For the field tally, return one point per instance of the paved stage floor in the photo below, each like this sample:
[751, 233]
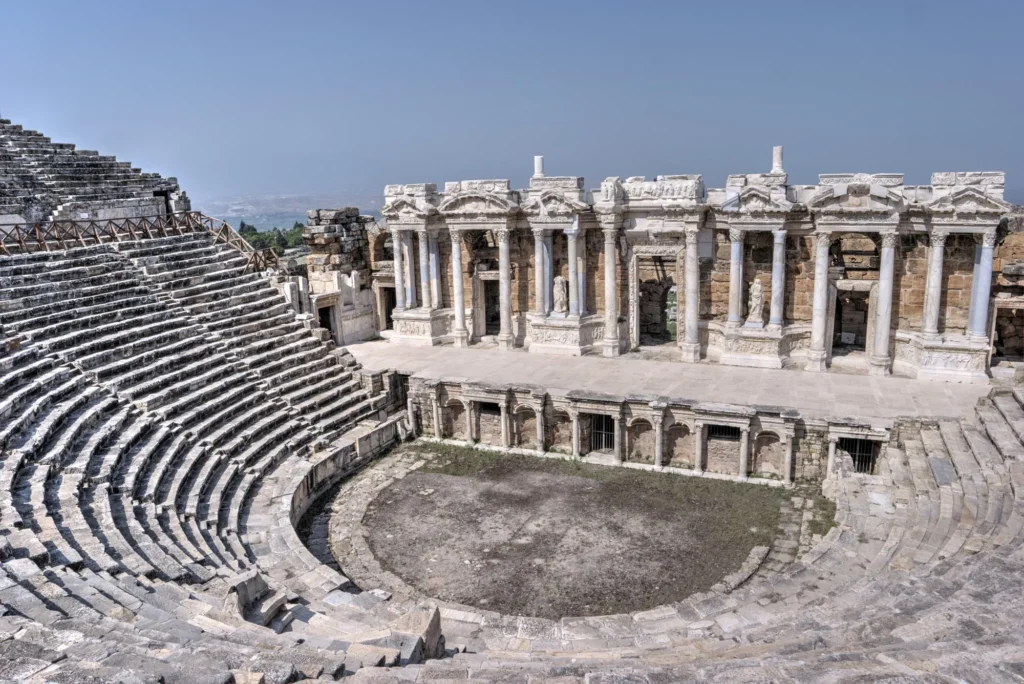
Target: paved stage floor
[815, 395]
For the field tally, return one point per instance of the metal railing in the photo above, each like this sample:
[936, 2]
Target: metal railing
[23, 238]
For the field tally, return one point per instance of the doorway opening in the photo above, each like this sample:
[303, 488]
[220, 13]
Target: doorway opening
[657, 301]
[850, 329]
[492, 307]
[864, 453]
[326, 319]
[390, 302]
[602, 433]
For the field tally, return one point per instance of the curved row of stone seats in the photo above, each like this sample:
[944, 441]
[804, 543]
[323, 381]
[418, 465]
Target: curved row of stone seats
[945, 502]
[130, 454]
[58, 175]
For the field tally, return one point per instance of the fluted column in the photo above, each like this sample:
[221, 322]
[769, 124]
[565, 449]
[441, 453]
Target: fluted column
[735, 276]
[617, 441]
[549, 273]
[421, 241]
[611, 303]
[503, 407]
[505, 338]
[436, 408]
[581, 270]
[658, 421]
[830, 464]
[434, 257]
[690, 346]
[469, 422]
[933, 283]
[978, 326]
[816, 354]
[573, 284]
[538, 273]
[410, 283]
[460, 335]
[778, 279]
[879, 361]
[744, 452]
[575, 418]
[396, 247]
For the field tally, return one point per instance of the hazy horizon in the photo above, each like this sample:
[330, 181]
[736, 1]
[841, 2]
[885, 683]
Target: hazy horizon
[334, 101]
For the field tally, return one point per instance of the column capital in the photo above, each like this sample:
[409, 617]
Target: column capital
[541, 231]
[779, 235]
[735, 235]
[457, 237]
[610, 232]
[745, 429]
[823, 237]
[691, 235]
[937, 238]
[889, 238]
[988, 239]
[502, 235]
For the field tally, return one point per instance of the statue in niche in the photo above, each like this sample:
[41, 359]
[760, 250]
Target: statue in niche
[561, 305]
[755, 305]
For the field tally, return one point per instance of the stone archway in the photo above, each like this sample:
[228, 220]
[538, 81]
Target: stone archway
[767, 459]
[678, 447]
[524, 427]
[453, 420]
[640, 441]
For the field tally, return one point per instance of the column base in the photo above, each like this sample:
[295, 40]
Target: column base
[815, 361]
[878, 365]
[610, 348]
[460, 338]
[506, 342]
[690, 352]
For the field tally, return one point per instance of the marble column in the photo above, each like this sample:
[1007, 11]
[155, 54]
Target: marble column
[410, 283]
[581, 270]
[503, 407]
[879, 361]
[460, 335]
[424, 265]
[469, 422]
[735, 276]
[436, 407]
[611, 287]
[505, 338]
[538, 413]
[658, 421]
[549, 272]
[690, 345]
[778, 278]
[978, 326]
[573, 284]
[575, 417]
[617, 442]
[787, 475]
[434, 256]
[933, 284]
[698, 448]
[399, 265]
[830, 465]
[410, 409]
[744, 453]
[816, 355]
[538, 273]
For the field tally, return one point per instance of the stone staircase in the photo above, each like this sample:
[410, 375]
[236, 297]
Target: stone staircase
[157, 412]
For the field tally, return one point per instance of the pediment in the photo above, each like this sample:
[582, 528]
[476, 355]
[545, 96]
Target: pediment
[968, 200]
[550, 203]
[477, 204]
[405, 207]
[856, 198]
[755, 200]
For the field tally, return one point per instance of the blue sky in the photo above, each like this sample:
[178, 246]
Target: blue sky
[342, 98]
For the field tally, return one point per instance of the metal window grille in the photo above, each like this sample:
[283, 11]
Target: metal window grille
[729, 432]
[602, 433]
[863, 452]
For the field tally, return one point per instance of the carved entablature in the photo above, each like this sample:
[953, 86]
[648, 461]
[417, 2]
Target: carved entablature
[483, 204]
[555, 200]
[410, 206]
[967, 207]
[754, 206]
[858, 201]
[666, 204]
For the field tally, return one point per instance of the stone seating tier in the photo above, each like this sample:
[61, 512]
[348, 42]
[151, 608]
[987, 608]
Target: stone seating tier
[136, 441]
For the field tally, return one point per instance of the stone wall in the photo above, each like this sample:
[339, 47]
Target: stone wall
[767, 457]
[810, 454]
[798, 301]
[723, 456]
[338, 243]
[640, 442]
[678, 447]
